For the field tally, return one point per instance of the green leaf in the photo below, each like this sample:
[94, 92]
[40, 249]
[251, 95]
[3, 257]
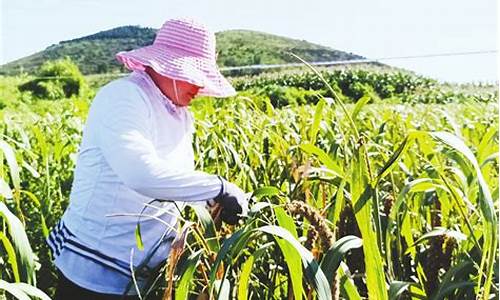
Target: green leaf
[11, 255]
[32, 170]
[451, 287]
[13, 170]
[12, 163]
[36, 201]
[359, 105]
[292, 257]
[441, 231]
[484, 148]
[182, 290]
[32, 197]
[417, 185]
[316, 121]
[13, 290]
[266, 191]
[362, 199]
[257, 207]
[417, 292]
[324, 159]
[285, 221]
[31, 291]
[138, 237]
[397, 288]
[244, 278]
[457, 273]
[346, 284]
[26, 258]
[239, 238]
[391, 163]
[332, 258]
[315, 276]
[339, 201]
[246, 269]
[208, 225]
[5, 190]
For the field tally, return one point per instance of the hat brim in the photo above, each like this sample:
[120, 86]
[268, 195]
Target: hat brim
[179, 65]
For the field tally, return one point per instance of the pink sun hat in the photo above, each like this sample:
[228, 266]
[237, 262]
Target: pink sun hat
[182, 50]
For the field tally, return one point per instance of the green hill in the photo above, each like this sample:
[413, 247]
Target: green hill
[244, 47]
[96, 53]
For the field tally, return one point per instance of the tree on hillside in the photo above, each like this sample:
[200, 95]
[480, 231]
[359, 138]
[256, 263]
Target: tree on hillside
[56, 79]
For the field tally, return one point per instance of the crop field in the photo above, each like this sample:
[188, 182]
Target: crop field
[365, 186]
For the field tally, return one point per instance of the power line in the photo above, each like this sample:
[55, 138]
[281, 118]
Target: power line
[358, 61]
[322, 63]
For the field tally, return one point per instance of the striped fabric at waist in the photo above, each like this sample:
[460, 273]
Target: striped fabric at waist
[61, 238]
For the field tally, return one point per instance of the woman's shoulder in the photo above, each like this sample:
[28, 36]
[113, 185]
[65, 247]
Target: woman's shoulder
[121, 86]
[120, 90]
[120, 93]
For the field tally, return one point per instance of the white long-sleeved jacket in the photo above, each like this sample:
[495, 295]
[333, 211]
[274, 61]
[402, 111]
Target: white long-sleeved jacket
[136, 147]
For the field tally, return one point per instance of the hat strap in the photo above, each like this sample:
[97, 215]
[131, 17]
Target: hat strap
[175, 91]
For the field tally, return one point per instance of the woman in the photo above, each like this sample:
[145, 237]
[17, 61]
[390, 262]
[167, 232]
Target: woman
[136, 150]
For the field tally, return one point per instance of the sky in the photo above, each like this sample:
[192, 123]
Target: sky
[371, 28]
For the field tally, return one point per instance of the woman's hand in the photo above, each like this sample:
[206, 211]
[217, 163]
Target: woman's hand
[233, 202]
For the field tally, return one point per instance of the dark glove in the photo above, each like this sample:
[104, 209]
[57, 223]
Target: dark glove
[234, 202]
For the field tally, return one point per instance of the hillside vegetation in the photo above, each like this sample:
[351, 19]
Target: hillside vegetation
[96, 53]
